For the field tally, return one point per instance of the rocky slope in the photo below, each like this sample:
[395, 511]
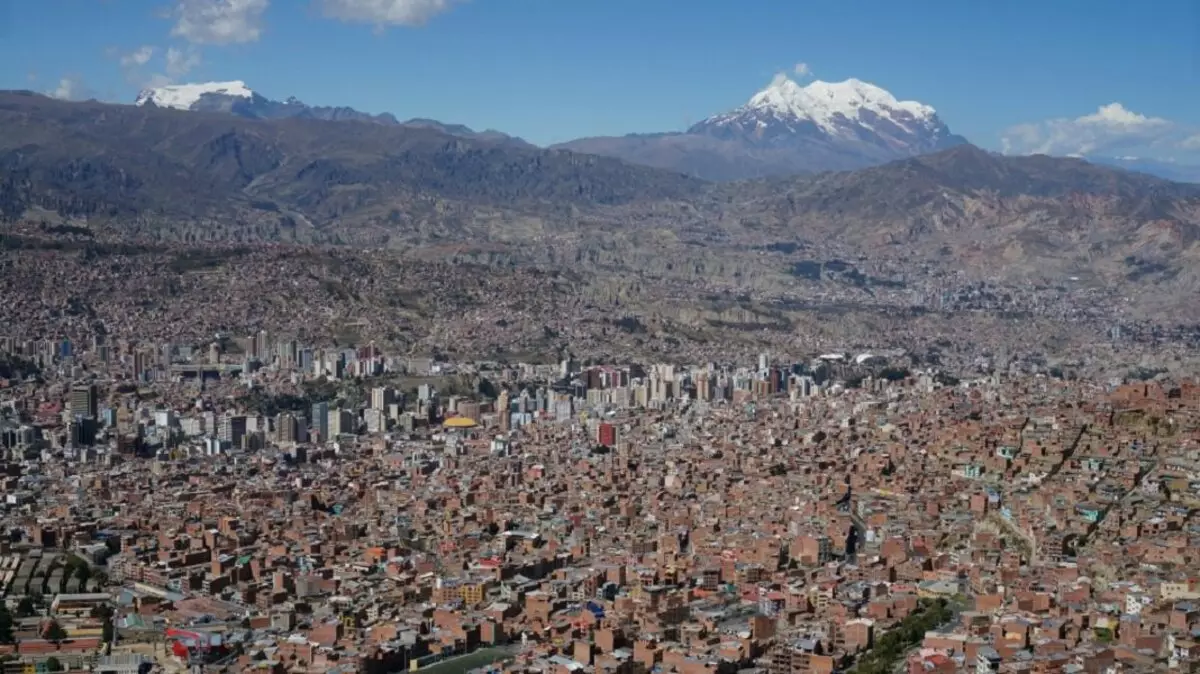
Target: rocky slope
[790, 129]
[982, 214]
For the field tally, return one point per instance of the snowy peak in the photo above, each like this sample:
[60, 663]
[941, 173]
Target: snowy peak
[824, 102]
[858, 120]
[186, 96]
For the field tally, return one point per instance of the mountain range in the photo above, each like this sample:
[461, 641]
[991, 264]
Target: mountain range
[238, 99]
[146, 172]
[785, 129]
[790, 129]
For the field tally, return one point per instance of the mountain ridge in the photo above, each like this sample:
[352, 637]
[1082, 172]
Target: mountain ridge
[147, 173]
[788, 129]
[211, 174]
[236, 98]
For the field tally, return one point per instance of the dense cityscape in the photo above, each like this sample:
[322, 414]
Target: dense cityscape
[261, 504]
[599, 337]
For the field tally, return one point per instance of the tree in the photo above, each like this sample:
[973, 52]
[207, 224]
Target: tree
[104, 613]
[25, 607]
[53, 665]
[6, 624]
[54, 632]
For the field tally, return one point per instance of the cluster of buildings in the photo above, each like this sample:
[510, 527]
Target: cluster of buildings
[252, 509]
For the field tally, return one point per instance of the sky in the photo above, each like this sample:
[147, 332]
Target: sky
[1088, 77]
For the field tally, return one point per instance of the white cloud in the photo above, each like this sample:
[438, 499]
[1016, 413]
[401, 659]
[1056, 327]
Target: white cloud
[138, 57]
[219, 21]
[802, 70]
[70, 88]
[174, 64]
[1111, 128]
[180, 62]
[778, 80]
[384, 12]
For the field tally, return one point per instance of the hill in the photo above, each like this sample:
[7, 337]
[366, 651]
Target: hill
[198, 175]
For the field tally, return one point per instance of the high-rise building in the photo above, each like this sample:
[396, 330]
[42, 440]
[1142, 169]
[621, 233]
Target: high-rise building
[319, 420]
[82, 431]
[382, 396]
[84, 401]
[287, 353]
[141, 364]
[504, 410]
[703, 387]
[376, 420]
[232, 429]
[606, 434]
[286, 428]
[341, 422]
[261, 344]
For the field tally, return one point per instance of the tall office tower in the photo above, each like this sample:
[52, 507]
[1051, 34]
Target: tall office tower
[319, 420]
[382, 396]
[288, 354]
[232, 429]
[261, 345]
[140, 365]
[504, 409]
[764, 362]
[341, 422]
[285, 427]
[376, 420]
[84, 401]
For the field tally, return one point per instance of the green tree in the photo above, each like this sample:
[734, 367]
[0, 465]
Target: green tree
[25, 607]
[104, 613]
[6, 624]
[54, 632]
[53, 665]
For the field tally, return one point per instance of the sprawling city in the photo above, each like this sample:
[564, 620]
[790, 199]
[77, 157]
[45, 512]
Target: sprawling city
[814, 385]
[263, 504]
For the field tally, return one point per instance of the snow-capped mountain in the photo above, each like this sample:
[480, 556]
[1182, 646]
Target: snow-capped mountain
[184, 96]
[238, 99]
[786, 129]
[859, 117]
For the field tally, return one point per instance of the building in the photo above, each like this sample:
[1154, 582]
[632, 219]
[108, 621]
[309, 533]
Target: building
[504, 411]
[319, 420]
[606, 434]
[341, 422]
[232, 429]
[84, 401]
[382, 397]
[287, 428]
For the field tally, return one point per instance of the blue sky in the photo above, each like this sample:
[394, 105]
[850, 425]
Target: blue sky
[1034, 73]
